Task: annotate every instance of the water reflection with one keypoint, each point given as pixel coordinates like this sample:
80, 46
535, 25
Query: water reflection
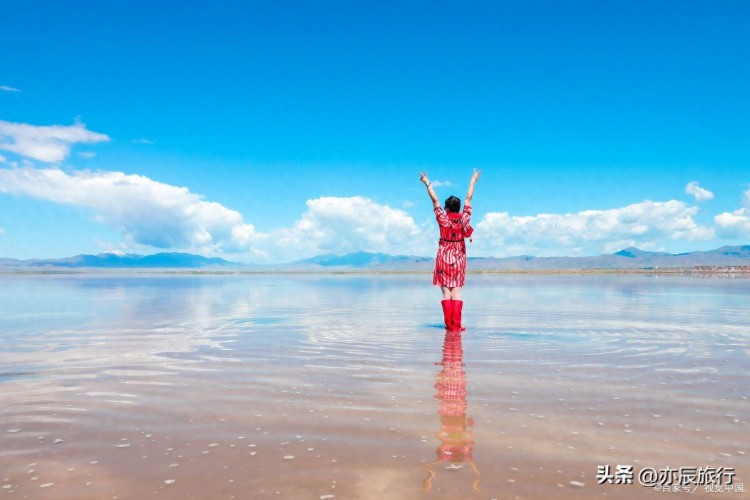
456, 428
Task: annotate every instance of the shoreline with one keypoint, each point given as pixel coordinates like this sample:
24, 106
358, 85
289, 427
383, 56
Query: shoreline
700, 271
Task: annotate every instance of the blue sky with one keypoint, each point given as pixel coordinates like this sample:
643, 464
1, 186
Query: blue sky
266, 131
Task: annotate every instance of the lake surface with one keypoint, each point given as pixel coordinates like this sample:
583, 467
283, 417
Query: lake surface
347, 387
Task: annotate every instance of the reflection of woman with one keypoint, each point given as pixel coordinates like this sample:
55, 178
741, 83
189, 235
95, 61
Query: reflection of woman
455, 435
450, 263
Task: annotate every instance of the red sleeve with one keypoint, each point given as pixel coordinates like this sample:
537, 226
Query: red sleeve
441, 217
466, 217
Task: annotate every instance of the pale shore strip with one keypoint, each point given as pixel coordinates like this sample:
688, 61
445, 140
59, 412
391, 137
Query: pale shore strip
713, 271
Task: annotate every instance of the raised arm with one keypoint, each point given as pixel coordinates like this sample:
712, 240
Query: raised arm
470, 192
430, 191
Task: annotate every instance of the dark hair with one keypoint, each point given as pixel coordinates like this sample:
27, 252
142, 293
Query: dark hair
452, 204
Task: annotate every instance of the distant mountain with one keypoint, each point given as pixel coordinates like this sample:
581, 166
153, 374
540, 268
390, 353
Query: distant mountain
111, 260
634, 253
357, 259
627, 258
741, 251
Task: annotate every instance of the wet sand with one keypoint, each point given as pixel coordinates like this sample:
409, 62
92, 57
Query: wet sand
343, 387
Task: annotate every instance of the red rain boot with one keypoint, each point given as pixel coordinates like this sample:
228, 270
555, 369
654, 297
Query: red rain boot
447, 313
457, 308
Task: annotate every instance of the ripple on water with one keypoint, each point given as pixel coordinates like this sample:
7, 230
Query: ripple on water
580, 362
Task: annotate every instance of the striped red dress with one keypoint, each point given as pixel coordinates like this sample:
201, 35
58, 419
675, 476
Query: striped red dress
450, 263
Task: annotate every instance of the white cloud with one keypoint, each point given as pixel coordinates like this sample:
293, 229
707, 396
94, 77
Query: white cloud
2, 231
8, 88
441, 183
146, 211
87, 154
2, 159
110, 247
644, 224
158, 215
50, 144
154, 214
143, 140
700, 194
340, 225
735, 224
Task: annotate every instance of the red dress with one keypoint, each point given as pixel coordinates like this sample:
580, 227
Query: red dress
450, 263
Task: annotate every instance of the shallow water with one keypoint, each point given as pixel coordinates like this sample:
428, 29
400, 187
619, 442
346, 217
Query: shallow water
133, 386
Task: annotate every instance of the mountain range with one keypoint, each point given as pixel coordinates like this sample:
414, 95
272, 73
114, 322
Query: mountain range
111, 260
628, 258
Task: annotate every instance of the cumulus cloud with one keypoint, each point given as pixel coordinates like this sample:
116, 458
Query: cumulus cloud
340, 225
50, 144
700, 194
146, 211
441, 183
154, 214
8, 88
735, 224
591, 231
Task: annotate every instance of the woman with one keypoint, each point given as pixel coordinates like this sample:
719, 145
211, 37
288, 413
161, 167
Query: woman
450, 263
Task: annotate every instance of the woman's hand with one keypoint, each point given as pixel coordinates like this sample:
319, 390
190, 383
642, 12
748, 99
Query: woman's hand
470, 191
430, 190
475, 177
